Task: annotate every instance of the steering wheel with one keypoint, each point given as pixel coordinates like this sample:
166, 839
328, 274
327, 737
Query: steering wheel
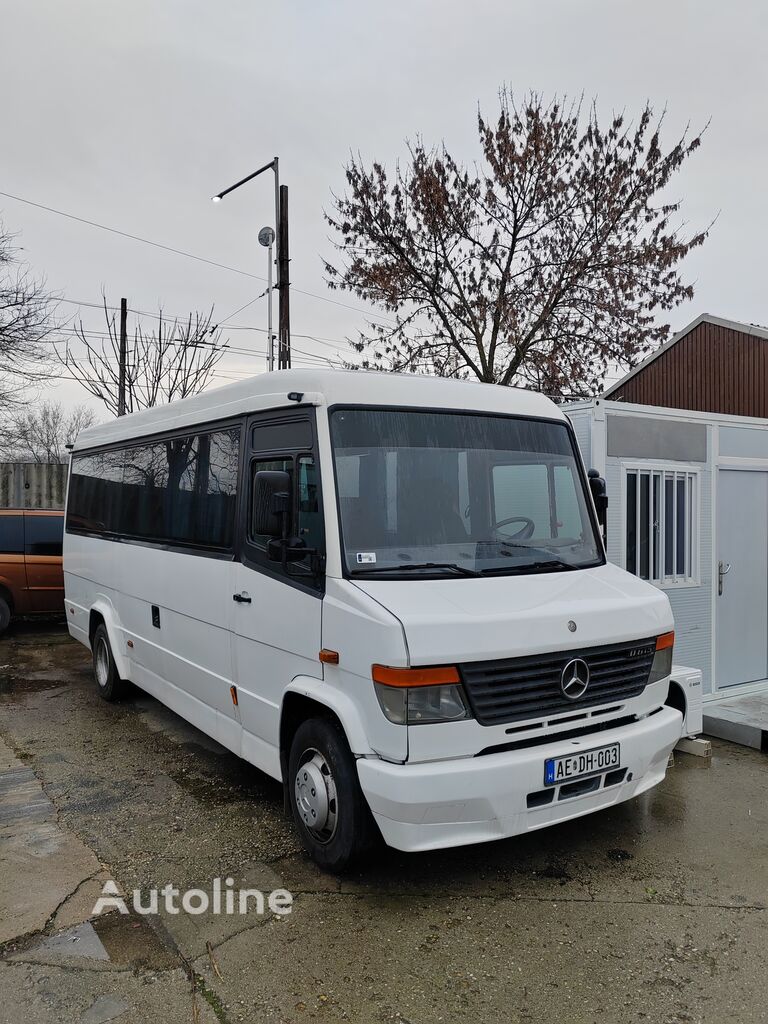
524, 533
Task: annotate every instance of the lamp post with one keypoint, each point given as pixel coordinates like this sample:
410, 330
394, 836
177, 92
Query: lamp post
266, 238
281, 222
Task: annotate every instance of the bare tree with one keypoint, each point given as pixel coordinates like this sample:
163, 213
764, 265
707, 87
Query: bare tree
42, 434
26, 321
541, 267
173, 360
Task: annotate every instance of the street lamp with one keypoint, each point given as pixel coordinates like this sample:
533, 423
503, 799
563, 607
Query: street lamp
281, 222
266, 238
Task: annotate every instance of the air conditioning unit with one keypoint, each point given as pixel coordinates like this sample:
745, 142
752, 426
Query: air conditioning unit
687, 682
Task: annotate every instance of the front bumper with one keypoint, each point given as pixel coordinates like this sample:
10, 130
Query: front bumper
475, 799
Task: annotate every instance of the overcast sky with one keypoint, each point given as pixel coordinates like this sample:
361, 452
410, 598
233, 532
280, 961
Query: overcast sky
133, 114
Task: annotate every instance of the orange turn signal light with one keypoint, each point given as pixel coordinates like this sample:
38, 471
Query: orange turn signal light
414, 676
665, 640
329, 657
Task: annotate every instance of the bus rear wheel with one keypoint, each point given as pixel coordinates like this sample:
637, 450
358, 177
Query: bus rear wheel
108, 682
328, 806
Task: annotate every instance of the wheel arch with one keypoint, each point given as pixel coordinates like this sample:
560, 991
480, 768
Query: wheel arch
677, 698
311, 698
102, 611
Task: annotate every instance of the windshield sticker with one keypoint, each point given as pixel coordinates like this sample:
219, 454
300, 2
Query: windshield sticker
365, 556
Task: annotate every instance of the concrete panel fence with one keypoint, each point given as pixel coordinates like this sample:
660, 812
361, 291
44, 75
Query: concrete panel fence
32, 484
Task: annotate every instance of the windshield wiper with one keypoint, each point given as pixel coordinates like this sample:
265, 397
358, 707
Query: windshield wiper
461, 570
541, 565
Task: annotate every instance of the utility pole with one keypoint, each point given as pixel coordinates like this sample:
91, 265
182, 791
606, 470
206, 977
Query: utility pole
284, 317
281, 240
123, 356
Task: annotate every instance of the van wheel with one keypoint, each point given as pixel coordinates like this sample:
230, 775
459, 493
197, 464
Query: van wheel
329, 808
5, 614
110, 686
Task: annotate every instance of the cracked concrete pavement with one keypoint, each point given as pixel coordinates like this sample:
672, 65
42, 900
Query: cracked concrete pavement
652, 911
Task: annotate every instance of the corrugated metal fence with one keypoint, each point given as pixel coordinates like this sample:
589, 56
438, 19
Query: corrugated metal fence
32, 484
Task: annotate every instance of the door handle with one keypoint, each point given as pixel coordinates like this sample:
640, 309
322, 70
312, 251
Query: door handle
241, 598
722, 570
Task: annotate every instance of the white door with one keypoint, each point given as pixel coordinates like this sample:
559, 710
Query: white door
741, 577
276, 610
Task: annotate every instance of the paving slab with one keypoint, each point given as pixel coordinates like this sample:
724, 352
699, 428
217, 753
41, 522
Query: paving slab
742, 720
33, 845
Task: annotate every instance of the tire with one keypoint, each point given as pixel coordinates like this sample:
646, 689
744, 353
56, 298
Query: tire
320, 754
5, 614
109, 684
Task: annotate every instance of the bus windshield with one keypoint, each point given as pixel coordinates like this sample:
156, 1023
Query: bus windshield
446, 494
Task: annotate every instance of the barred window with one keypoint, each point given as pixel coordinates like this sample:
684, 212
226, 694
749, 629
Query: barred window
660, 525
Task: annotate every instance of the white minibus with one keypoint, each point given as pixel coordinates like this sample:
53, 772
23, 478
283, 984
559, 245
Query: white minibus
389, 592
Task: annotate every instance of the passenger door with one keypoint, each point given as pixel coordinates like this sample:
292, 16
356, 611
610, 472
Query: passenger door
277, 609
43, 535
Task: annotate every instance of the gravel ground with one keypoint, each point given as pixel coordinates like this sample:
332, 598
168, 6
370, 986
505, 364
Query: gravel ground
651, 911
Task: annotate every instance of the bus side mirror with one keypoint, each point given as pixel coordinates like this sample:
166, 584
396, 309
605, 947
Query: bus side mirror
600, 498
271, 503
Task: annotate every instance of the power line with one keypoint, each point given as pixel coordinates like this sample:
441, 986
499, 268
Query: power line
134, 238
188, 255
76, 332
170, 317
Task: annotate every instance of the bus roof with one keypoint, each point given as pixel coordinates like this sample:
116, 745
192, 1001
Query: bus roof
320, 387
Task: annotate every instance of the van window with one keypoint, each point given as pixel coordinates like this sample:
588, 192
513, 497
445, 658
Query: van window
11, 535
310, 525
280, 436
258, 466
93, 504
307, 515
180, 490
43, 535
459, 493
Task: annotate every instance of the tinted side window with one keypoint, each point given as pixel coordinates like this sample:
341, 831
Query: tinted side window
179, 491
143, 497
281, 436
43, 534
202, 488
11, 535
95, 487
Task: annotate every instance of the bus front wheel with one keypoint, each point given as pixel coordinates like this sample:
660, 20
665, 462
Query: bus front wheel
328, 806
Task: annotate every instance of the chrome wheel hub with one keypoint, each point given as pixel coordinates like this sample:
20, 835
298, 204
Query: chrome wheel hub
102, 663
315, 795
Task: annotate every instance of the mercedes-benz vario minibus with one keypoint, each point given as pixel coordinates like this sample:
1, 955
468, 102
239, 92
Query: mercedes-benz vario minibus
388, 592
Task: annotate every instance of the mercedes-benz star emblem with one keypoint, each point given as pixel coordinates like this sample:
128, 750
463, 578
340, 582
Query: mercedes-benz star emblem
574, 679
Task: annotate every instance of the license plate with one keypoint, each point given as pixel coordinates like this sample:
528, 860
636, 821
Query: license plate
576, 766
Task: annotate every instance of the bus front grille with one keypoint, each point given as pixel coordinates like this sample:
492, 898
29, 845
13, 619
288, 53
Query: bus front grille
520, 689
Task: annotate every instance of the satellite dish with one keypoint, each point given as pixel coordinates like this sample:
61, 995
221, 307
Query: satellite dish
266, 236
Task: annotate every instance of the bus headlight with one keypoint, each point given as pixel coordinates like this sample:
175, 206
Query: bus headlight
418, 696
662, 659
